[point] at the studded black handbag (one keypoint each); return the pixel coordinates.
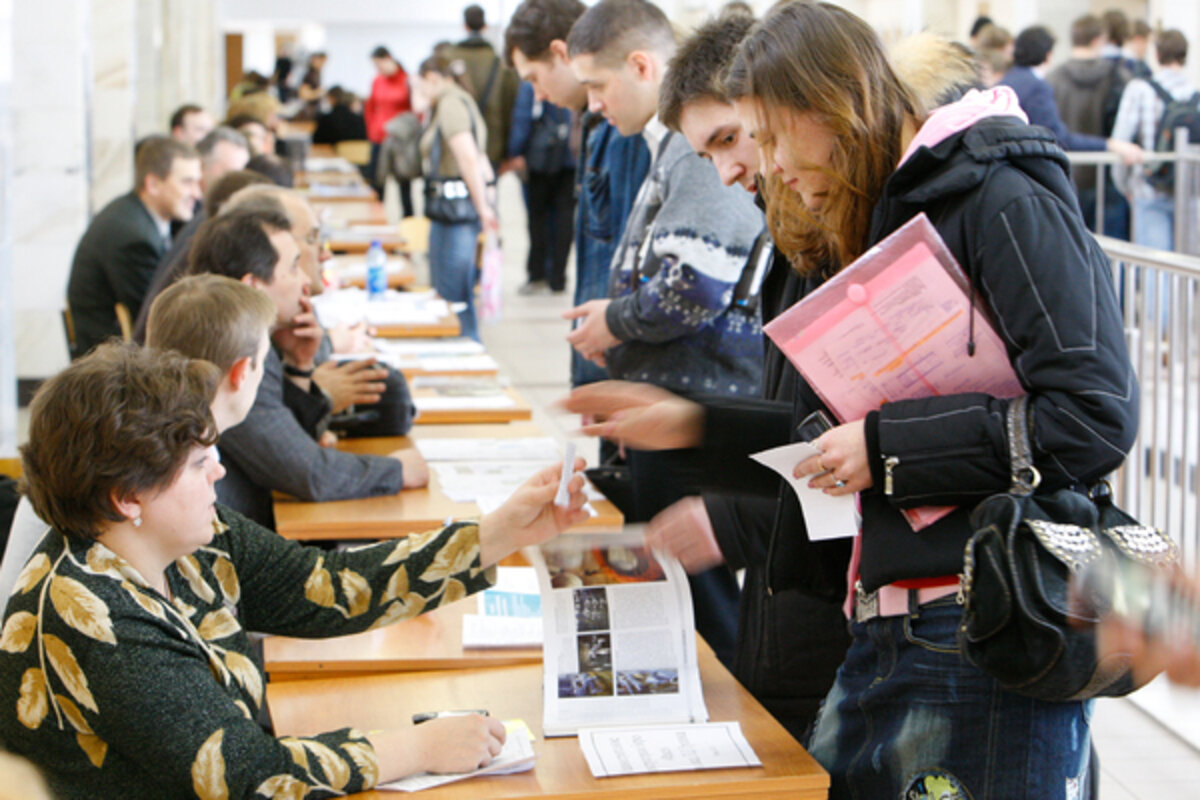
(1022, 624)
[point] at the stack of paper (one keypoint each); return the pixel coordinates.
(351, 306)
(666, 748)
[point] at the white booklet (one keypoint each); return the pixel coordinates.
(619, 640)
(516, 756)
(665, 748)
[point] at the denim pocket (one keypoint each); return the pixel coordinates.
(935, 626)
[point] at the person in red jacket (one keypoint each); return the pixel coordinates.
(390, 96)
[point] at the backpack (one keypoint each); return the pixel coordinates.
(1176, 114)
(401, 154)
(547, 142)
(1118, 77)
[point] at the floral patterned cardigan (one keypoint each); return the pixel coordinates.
(120, 692)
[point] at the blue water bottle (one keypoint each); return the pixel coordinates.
(376, 272)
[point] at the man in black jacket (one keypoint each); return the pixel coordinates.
(117, 256)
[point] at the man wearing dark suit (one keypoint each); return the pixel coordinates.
(276, 447)
(117, 256)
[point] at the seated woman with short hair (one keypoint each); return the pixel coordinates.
(124, 658)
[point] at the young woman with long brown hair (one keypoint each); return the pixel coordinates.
(908, 716)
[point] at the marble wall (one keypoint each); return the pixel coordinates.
(8, 352)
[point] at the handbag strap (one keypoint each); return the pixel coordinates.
(1025, 476)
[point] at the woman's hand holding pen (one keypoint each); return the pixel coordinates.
(841, 467)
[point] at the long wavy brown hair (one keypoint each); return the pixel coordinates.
(808, 57)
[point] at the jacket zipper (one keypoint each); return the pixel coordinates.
(891, 462)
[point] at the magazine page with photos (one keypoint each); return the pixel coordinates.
(619, 641)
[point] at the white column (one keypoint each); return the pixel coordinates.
(8, 350)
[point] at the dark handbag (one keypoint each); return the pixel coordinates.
(1021, 623)
(447, 200)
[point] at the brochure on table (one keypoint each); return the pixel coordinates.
(896, 324)
(619, 641)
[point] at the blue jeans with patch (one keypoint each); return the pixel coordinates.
(452, 268)
(909, 718)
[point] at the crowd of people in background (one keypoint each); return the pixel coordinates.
(705, 185)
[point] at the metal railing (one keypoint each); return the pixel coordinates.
(1186, 159)
(1160, 482)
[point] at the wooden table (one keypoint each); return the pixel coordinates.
(306, 179)
(519, 410)
(356, 264)
(430, 641)
(446, 326)
(366, 212)
(412, 510)
(300, 708)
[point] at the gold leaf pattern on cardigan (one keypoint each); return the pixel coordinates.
(357, 591)
(81, 609)
(94, 747)
(365, 758)
(246, 673)
(32, 574)
(397, 585)
(456, 556)
(283, 787)
(208, 770)
(149, 603)
(319, 586)
(68, 671)
(227, 579)
(18, 632)
(218, 624)
(337, 771)
(189, 568)
(32, 704)
(72, 713)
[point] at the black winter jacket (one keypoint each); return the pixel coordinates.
(1000, 195)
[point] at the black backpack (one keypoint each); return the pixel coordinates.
(1176, 114)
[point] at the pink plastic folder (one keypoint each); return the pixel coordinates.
(894, 325)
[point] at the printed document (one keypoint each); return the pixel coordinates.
(665, 748)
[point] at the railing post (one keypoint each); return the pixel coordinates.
(1183, 179)
(1100, 187)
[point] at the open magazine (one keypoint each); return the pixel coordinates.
(619, 641)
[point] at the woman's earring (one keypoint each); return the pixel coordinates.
(137, 522)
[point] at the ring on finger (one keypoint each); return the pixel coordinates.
(820, 466)
(838, 483)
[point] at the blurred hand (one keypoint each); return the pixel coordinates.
(1174, 651)
(489, 222)
(350, 383)
(328, 439)
(638, 414)
(351, 338)
(530, 517)
(301, 340)
(591, 337)
(684, 531)
(1129, 152)
(416, 471)
(843, 458)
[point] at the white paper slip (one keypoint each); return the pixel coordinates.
(525, 448)
(483, 403)
(562, 498)
(825, 517)
(516, 756)
(666, 748)
(488, 633)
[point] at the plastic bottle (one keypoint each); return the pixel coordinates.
(376, 272)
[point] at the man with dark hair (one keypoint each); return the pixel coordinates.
(190, 123)
(611, 167)
(117, 256)
(790, 642)
(490, 82)
(274, 168)
(1138, 119)
(1031, 59)
(673, 316)
(258, 135)
(1137, 47)
(174, 263)
(275, 448)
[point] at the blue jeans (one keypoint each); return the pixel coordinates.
(1154, 222)
(908, 717)
(452, 267)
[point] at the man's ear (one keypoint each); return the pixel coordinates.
(238, 372)
(642, 64)
(558, 48)
(252, 280)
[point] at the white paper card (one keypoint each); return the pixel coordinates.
(666, 748)
(499, 632)
(525, 448)
(825, 517)
(516, 756)
(562, 498)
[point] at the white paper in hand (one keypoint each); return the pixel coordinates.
(825, 517)
(563, 498)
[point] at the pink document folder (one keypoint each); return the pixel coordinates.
(895, 325)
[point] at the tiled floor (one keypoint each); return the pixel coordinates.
(1139, 759)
